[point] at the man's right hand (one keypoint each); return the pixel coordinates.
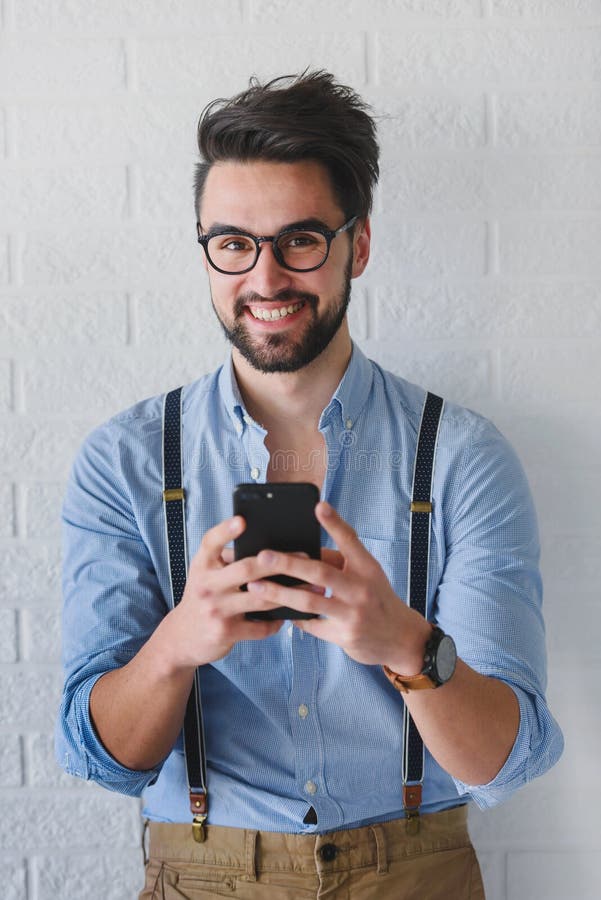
(210, 619)
(138, 709)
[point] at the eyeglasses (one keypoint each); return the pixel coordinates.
(233, 252)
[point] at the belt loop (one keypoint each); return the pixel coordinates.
(381, 848)
(250, 851)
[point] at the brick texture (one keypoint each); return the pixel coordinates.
(179, 65)
(15, 880)
(125, 16)
(109, 876)
(433, 122)
(34, 66)
(484, 285)
(11, 756)
(573, 10)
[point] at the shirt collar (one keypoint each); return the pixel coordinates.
(230, 394)
(348, 398)
(352, 392)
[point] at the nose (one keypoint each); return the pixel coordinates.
(268, 276)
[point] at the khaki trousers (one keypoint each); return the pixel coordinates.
(376, 862)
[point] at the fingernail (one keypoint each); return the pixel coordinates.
(326, 509)
(235, 524)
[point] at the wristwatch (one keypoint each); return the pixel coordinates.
(440, 659)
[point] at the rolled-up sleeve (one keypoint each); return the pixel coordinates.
(112, 604)
(490, 599)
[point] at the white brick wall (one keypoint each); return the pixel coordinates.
(490, 293)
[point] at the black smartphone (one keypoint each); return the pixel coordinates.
(280, 516)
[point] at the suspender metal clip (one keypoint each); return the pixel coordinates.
(412, 822)
(198, 829)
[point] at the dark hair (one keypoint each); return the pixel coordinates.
(293, 118)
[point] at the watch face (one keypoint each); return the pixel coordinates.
(446, 658)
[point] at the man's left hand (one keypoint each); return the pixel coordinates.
(360, 611)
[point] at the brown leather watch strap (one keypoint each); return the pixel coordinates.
(406, 683)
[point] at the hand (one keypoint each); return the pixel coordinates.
(209, 619)
(363, 615)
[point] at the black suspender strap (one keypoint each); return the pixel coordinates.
(419, 555)
(174, 506)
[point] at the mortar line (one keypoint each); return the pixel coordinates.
(130, 49)
(132, 335)
(8, 16)
(17, 388)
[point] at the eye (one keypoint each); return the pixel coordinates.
(233, 243)
(299, 239)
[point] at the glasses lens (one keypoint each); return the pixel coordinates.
(303, 250)
(232, 252)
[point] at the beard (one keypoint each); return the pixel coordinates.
(279, 352)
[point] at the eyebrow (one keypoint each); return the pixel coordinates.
(301, 225)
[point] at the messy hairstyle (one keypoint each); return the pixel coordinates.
(294, 118)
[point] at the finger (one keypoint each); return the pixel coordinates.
(227, 557)
(313, 571)
(344, 535)
(230, 577)
(215, 540)
(299, 598)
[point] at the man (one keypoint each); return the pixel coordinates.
(303, 721)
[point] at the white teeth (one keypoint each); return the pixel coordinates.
(269, 315)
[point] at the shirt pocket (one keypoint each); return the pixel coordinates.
(393, 556)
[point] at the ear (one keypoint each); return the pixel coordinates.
(361, 246)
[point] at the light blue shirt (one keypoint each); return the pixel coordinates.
(292, 721)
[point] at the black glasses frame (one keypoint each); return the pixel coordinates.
(326, 232)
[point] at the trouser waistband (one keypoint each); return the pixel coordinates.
(252, 852)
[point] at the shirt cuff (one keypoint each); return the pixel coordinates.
(102, 767)
(537, 747)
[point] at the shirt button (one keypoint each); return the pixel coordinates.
(303, 711)
(349, 423)
(311, 787)
(254, 473)
(238, 427)
(290, 630)
(247, 419)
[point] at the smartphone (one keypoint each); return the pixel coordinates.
(280, 516)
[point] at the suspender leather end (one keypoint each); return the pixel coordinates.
(173, 494)
(412, 799)
(198, 803)
(412, 796)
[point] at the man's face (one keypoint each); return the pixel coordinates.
(262, 198)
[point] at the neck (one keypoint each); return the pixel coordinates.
(292, 402)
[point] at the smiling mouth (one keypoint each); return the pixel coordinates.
(275, 313)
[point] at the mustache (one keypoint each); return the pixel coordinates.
(284, 296)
